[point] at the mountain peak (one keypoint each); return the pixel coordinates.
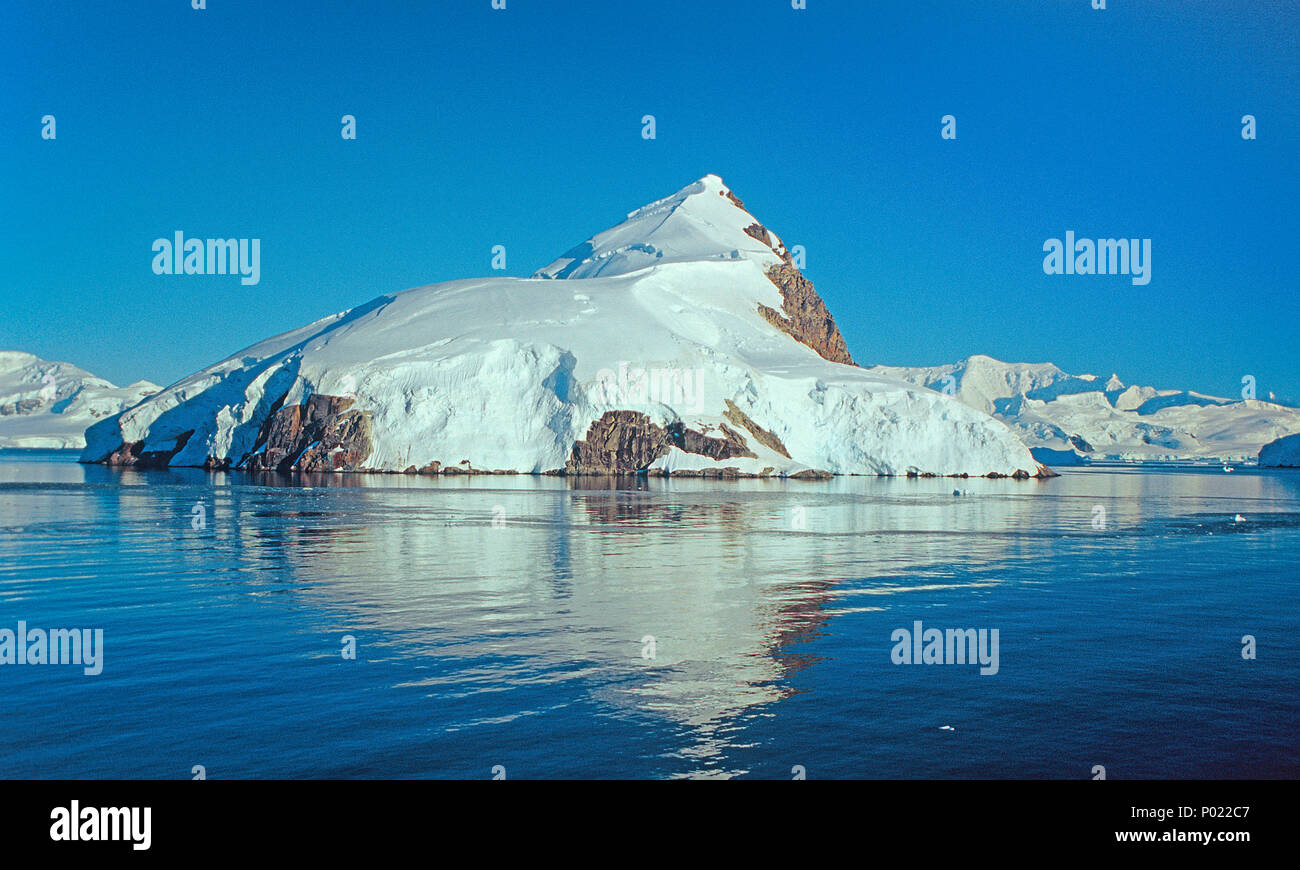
(702, 221)
(709, 185)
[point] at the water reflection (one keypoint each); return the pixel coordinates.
(492, 582)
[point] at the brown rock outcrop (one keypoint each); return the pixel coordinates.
(321, 434)
(731, 443)
(20, 406)
(804, 315)
(764, 437)
(619, 442)
(134, 454)
(759, 233)
(622, 442)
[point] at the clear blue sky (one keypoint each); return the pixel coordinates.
(479, 127)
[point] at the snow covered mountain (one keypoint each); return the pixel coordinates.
(50, 404)
(1065, 418)
(681, 341)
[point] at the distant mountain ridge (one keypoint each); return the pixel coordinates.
(50, 404)
(1066, 418)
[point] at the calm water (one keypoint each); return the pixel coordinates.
(520, 643)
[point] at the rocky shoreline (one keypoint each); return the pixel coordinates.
(325, 433)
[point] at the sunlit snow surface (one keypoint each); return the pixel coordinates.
(45, 404)
(1104, 419)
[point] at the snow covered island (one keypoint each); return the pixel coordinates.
(682, 341)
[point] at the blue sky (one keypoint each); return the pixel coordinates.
(522, 127)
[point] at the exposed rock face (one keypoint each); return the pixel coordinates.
(806, 317)
(759, 232)
(764, 437)
(811, 474)
(321, 434)
(20, 406)
(133, 454)
(731, 443)
(621, 442)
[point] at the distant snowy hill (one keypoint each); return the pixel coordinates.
(681, 341)
(1065, 417)
(50, 404)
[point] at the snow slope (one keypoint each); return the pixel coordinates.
(50, 404)
(700, 222)
(509, 374)
(1282, 453)
(1065, 417)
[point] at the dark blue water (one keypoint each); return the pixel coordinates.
(519, 642)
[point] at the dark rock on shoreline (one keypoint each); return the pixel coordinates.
(321, 434)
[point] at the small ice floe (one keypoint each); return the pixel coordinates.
(946, 728)
(1238, 518)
